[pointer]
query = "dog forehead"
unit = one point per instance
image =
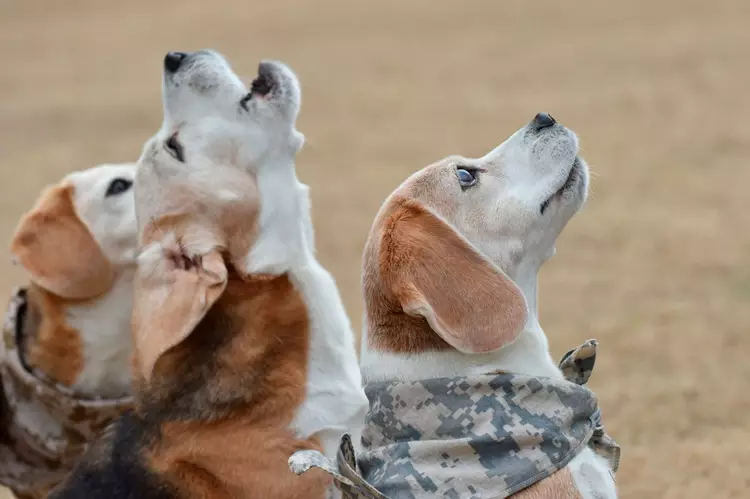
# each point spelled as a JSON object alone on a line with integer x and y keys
{"x": 89, "y": 178}
{"x": 430, "y": 184}
{"x": 434, "y": 186}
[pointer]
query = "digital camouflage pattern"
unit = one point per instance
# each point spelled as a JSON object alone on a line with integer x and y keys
{"x": 45, "y": 426}
{"x": 478, "y": 437}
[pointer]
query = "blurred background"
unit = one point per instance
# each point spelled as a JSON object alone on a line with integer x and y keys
{"x": 656, "y": 266}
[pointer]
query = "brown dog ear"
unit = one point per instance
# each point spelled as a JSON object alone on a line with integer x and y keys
{"x": 172, "y": 295}
{"x": 54, "y": 245}
{"x": 436, "y": 274}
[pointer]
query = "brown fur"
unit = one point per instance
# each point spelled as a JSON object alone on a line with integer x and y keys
{"x": 426, "y": 288}
{"x": 558, "y": 486}
{"x": 67, "y": 266}
{"x": 54, "y": 347}
{"x": 227, "y": 393}
{"x": 236, "y": 458}
{"x": 56, "y": 247}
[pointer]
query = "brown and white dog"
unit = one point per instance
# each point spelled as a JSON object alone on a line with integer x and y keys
{"x": 450, "y": 273}
{"x": 243, "y": 350}
{"x": 68, "y": 338}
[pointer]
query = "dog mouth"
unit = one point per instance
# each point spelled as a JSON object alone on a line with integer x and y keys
{"x": 573, "y": 177}
{"x": 571, "y": 181}
{"x": 264, "y": 83}
{"x": 263, "y": 86}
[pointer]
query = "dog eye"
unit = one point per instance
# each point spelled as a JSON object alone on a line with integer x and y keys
{"x": 174, "y": 148}
{"x": 118, "y": 186}
{"x": 466, "y": 177}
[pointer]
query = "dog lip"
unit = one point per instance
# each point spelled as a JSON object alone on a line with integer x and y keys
{"x": 572, "y": 178}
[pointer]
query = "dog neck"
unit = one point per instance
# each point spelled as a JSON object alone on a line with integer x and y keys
{"x": 335, "y": 401}
{"x": 334, "y": 398}
{"x": 528, "y": 354}
{"x": 84, "y": 345}
{"x": 281, "y": 242}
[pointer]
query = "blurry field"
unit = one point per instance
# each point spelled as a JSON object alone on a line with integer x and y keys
{"x": 657, "y": 266}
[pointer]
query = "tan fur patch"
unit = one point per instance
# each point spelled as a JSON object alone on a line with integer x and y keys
{"x": 172, "y": 298}
{"x": 56, "y": 349}
{"x": 57, "y": 249}
{"x": 426, "y": 288}
{"x": 558, "y": 486}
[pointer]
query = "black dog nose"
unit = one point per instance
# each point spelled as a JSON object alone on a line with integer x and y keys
{"x": 173, "y": 60}
{"x": 543, "y": 120}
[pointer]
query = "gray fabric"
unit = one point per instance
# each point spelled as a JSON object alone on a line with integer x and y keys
{"x": 480, "y": 436}
{"x": 47, "y": 427}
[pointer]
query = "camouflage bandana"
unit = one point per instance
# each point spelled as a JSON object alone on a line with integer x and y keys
{"x": 45, "y": 426}
{"x": 480, "y": 436}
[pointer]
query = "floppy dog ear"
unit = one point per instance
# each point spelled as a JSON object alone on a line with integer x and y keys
{"x": 173, "y": 292}
{"x": 54, "y": 245}
{"x": 436, "y": 274}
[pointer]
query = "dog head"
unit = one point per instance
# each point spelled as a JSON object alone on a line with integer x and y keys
{"x": 199, "y": 189}
{"x": 440, "y": 262}
{"x": 80, "y": 232}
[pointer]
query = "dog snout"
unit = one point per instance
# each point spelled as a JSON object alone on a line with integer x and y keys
{"x": 542, "y": 121}
{"x": 173, "y": 61}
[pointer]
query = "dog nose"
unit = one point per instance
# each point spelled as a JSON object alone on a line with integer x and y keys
{"x": 543, "y": 120}
{"x": 173, "y": 60}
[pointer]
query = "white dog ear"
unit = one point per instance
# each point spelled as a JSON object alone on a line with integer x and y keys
{"x": 55, "y": 246}
{"x": 173, "y": 292}
{"x": 438, "y": 275}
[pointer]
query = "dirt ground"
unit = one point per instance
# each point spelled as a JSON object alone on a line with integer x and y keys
{"x": 657, "y": 266}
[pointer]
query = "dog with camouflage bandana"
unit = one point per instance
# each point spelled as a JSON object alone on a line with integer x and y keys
{"x": 465, "y": 399}
{"x": 65, "y": 355}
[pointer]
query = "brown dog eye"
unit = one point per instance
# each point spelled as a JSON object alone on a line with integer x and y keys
{"x": 118, "y": 186}
{"x": 174, "y": 148}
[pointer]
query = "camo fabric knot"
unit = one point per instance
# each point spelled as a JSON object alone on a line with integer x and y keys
{"x": 46, "y": 427}
{"x": 577, "y": 366}
{"x": 471, "y": 436}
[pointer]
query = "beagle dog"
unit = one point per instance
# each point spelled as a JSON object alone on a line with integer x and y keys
{"x": 67, "y": 348}
{"x": 243, "y": 351}
{"x": 450, "y": 279}
{"x": 465, "y": 400}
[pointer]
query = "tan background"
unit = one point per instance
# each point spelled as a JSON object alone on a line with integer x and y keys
{"x": 657, "y": 266}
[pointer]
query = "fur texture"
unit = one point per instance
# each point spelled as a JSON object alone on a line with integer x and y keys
{"x": 78, "y": 243}
{"x": 243, "y": 351}
{"x": 450, "y": 272}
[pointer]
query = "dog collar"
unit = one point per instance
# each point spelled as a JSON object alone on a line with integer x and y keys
{"x": 45, "y": 426}
{"x": 479, "y": 436}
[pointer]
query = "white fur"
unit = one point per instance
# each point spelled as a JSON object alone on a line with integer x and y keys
{"x": 502, "y": 219}
{"x": 104, "y": 323}
{"x": 105, "y": 332}
{"x": 202, "y": 106}
{"x": 111, "y": 219}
